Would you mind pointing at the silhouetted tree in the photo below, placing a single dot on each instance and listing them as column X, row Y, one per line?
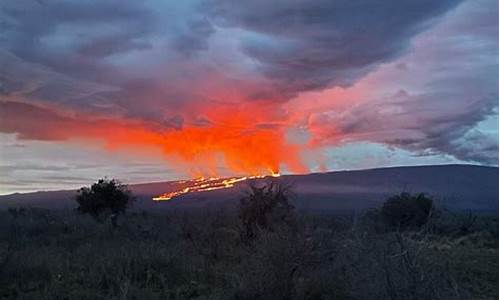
column 405, row 211
column 262, row 206
column 104, row 196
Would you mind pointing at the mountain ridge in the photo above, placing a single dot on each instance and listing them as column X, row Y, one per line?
column 455, row 186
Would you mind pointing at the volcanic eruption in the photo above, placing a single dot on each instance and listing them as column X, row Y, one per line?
column 207, row 184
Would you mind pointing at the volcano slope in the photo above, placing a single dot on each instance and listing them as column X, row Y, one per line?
column 456, row 187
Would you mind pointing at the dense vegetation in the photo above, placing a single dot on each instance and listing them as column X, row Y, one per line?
column 103, row 198
column 266, row 251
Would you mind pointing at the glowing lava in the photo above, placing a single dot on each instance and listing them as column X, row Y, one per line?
column 207, row 184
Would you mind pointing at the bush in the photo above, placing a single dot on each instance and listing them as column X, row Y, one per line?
column 263, row 206
column 104, row 196
column 199, row 255
column 406, row 211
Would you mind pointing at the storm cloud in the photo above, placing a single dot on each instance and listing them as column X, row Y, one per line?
column 435, row 99
column 304, row 45
column 293, row 46
column 417, row 75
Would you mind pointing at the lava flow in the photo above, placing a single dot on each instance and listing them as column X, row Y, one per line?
column 207, row 184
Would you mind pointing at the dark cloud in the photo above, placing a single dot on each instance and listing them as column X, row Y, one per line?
column 305, row 45
column 35, row 82
column 35, row 30
column 72, row 37
column 108, row 45
column 298, row 45
column 439, row 99
column 194, row 36
column 414, row 123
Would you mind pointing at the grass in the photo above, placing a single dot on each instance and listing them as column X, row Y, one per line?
column 205, row 255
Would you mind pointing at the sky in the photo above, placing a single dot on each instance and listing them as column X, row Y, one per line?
column 161, row 90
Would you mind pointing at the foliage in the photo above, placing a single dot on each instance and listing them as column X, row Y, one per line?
column 263, row 204
column 202, row 255
column 406, row 211
column 104, row 196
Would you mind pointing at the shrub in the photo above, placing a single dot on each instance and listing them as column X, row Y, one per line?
column 104, row 196
column 405, row 211
column 263, row 206
column 198, row 255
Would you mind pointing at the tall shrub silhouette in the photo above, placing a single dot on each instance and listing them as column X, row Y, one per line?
column 264, row 206
column 104, row 196
column 406, row 211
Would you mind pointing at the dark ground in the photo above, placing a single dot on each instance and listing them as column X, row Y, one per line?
column 203, row 255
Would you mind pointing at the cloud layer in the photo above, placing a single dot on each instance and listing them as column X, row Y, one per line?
column 214, row 83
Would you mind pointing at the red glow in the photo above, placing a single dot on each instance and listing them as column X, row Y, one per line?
column 248, row 140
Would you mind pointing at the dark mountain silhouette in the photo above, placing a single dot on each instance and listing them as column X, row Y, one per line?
column 456, row 187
